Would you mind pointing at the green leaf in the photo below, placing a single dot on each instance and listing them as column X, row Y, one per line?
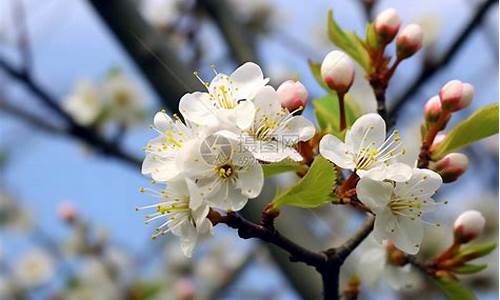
column 453, row 289
column 371, row 36
column 469, row 269
column 316, row 71
column 481, row 124
column 477, row 250
column 349, row 42
column 327, row 113
column 286, row 165
column 313, row 190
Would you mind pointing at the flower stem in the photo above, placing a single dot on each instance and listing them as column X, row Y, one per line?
column 342, row 124
column 425, row 156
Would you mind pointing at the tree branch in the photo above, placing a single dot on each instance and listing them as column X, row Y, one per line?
column 348, row 247
column 238, row 39
column 431, row 69
column 158, row 62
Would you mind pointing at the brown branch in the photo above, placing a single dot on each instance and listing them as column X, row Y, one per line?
column 431, row 69
column 239, row 40
column 327, row 263
column 30, row 118
column 158, row 62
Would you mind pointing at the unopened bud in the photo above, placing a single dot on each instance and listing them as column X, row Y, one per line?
column 432, row 109
column 293, row 95
column 67, row 212
column 451, row 166
column 337, row 71
column 456, row 95
column 387, row 25
column 468, row 226
column 409, row 41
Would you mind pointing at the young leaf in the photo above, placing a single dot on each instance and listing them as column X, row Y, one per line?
column 313, row 190
column 283, row 166
column 476, row 251
column 348, row 42
column 469, row 269
column 453, row 289
column 326, row 110
column 481, row 124
column 316, row 71
column 371, row 36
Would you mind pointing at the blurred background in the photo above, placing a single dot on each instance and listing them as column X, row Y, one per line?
column 79, row 84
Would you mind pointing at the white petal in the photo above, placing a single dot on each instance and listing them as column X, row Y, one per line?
column 374, row 194
column 196, row 107
column 397, row 172
column 251, row 180
column 411, row 235
column 162, row 121
column 336, row 151
column 402, row 278
column 161, row 170
column 199, row 215
column 247, row 80
column 368, row 129
column 423, row 181
column 300, row 127
column 244, row 114
column 267, row 103
column 373, row 260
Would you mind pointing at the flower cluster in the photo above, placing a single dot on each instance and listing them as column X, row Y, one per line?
column 213, row 158
column 396, row 192
column 116, row 99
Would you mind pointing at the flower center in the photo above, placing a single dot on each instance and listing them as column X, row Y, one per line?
column 225, row 171
column 369, row 155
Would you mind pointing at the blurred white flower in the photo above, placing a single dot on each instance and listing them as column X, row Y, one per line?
column 84, row 104
column 374, row 265
column 34, row 268
column 367, row 151
column 399, row 206
column 178, row 215
column 163, row 13
column 123, row 100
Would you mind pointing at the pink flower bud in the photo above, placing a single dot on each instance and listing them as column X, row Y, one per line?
column 387, row 25
column 337, row 71
column 456, row 95
column 432, row 109
column 451, row 166
column 67, row 212
column 409, row 41
column 185, row 289
column 468, row 226
column 437, row 141
column 293, row 95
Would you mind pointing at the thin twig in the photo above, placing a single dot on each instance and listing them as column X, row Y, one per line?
column 431, row 69
column 30, row 118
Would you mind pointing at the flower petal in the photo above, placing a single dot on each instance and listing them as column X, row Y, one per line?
column 369, row 129
column 336, row 151
column 197, row 108
column 300, row 127
column 374, row 194
column 374, row 260
column 422, row 181
column 267, row 103
column 247, row 80
column 396, row 172
column 251, row 180
column 244, row 114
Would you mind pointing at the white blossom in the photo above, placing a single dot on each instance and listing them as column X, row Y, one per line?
column 84, row 103
column 176, row 213
column 225, row 173
column 34, row 268
column 367, row 151
column 399, row 206
column 374, row 265
column 123, row 100
column 275, row 131
column 162, row 152
column 227, row 101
